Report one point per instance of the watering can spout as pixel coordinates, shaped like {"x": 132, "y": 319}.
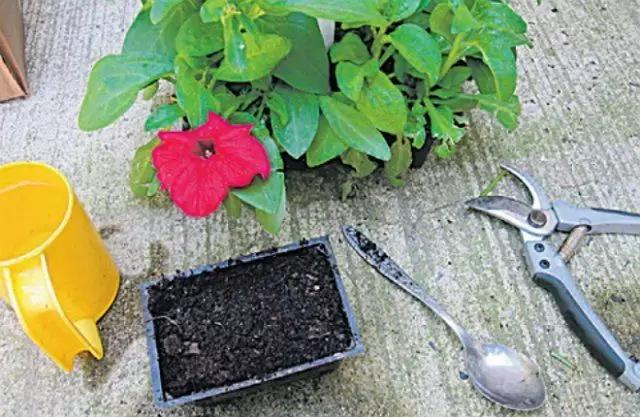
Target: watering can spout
{"x": 33, "y": 299}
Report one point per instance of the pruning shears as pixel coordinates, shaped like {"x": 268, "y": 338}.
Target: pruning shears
{"x": 549, "y": 267}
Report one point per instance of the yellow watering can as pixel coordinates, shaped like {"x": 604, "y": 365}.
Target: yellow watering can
{"x": 55, "y": 271}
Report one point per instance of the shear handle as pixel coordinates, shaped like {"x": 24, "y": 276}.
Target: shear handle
{"x": 551, "y": 273}
{"x": 600, "y": 221}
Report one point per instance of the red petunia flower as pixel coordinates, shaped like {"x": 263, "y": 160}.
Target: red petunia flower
{"x": 198, "y": 167}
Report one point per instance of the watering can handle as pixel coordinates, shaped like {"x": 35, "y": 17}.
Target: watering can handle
{"x": 31, "y": 294}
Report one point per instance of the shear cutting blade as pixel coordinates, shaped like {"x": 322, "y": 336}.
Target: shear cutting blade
{"x": 506, "y": 209}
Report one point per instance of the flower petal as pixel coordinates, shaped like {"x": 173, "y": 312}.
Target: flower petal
{"x": 186, "y": 138}
{"x": 202, "y": 196}
{"x": 197, "y": 184}
{"x": 245, "y": 152}
{"x": 216, "y": 125}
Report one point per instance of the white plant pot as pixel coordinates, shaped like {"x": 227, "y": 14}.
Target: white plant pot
{"x": 328, "y": 29}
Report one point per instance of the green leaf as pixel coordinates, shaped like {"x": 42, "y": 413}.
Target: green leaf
{"x": 346, "y": 11}
{"x": 456, "y": 104}
{"x": 354, "y": 129}
{"x": 396, "y": 10}
{"x": 350, "y": 79}
{"x": 143, "y": 172}
{"x": 199, "y": 63}
{"x": 275, "y": 159}
{"x": 161, "y": 8}
{"x": 400, "y": 68}
{"x": 443, "y": 127}
{"x": 114, "y": 84}
{"x": 261, "y": 132}
{"x": 149, "y": 91}
{"x": 248, "y": 24}
{"x": 262, "y": 55}
{"x": 272, "y": 223}
{"x": 463, "y": 20}
{"x": 420, "y": 19}
{"x": 516, "y": 39}
{"x": 444, "y": 93}
{"x": 347, "y": 190}
{"x": 360, "y": 162}
{"x": 350, "y": 48}
{"x": 154, "y": 187}
{"x": 399, "y": 163}
{"x": 383, "y": 104}
{"x": 455, "y": 77}
{"x": 306, "y": 67}
{"x": 419, "y": 48}
{"x": 212, "y": 10}
{"x": 227, "y": 101}
{"x": 233, "y": 205}
{"x": 446, "y": 149}
{"x": 265, "y": 195}
{"x": 424, "y": 4}
{"x": 247, "y": 98}
{"x": 499, "y": 16}
{"x": 342, "y": 98}
{"x": 234, "y": 46}
{"x": 481, "y": 75}
{"x": 461, "y": 120}
{"x": 457, "y": 3}
{"x": 145, "y": 38}
{"x": 303, "y": 110}
{"x": 164, "y": 116}
{"x": 415, "y": 130}
{"x": 278, "y": 107}
{"x": 193, "y": 97}
{"x": 262, "y": 84}
{"x": 507, "y": 112}
{"x": 442, "y": 20}
{"x": 325, "y": 146}
{"x": 243, "y": 118}
{"x": 442, "y": 123}
{"x": 371, "y": 67}
{"x": 197, "y": 38}
{"x": 498, "y": 56}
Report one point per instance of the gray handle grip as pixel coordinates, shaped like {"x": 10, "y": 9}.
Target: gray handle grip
{"x": 551, "y": 273}
{"x": 599, "y": 220}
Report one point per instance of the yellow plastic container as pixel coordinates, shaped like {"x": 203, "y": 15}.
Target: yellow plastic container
{"x": 55, "y": 271}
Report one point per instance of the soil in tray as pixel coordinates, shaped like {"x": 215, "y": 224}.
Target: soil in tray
{"x": 247, "y": 321}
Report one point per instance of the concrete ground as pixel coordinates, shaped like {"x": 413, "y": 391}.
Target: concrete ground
{"x": 580, "y": 131}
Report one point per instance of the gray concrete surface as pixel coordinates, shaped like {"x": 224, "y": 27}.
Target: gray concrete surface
{"x": 580, "y": 131}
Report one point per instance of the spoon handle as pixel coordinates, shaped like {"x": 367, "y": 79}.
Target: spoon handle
{"x": 387, "y": 267}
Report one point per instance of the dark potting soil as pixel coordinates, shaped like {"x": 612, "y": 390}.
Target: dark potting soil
{"x": 247, "y": 321}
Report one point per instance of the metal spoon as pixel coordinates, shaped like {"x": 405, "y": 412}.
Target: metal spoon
{"x": 500, "y": 373}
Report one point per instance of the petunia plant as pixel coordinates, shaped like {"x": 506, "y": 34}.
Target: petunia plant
{"x": 254, "y": 81}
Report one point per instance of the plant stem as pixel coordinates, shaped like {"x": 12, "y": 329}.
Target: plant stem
{"x": 453, "y": 56}
{"x": 212, "y": 82}
{"x": 378, "y": 41}
{"x": 263, "y": 103}
{"x": 387, "y": 54}
{"x": 494, "y": 183}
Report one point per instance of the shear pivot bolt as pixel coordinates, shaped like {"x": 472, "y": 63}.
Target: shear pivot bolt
{"x": 544, "y": 264}
{"x": 537, "y": 218}
{"x": 539, "y": 247}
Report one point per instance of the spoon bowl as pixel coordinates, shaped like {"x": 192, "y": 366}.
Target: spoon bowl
{"x": 505, "y": 376}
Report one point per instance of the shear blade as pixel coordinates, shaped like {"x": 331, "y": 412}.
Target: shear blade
{"x": 506, "y": 209}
